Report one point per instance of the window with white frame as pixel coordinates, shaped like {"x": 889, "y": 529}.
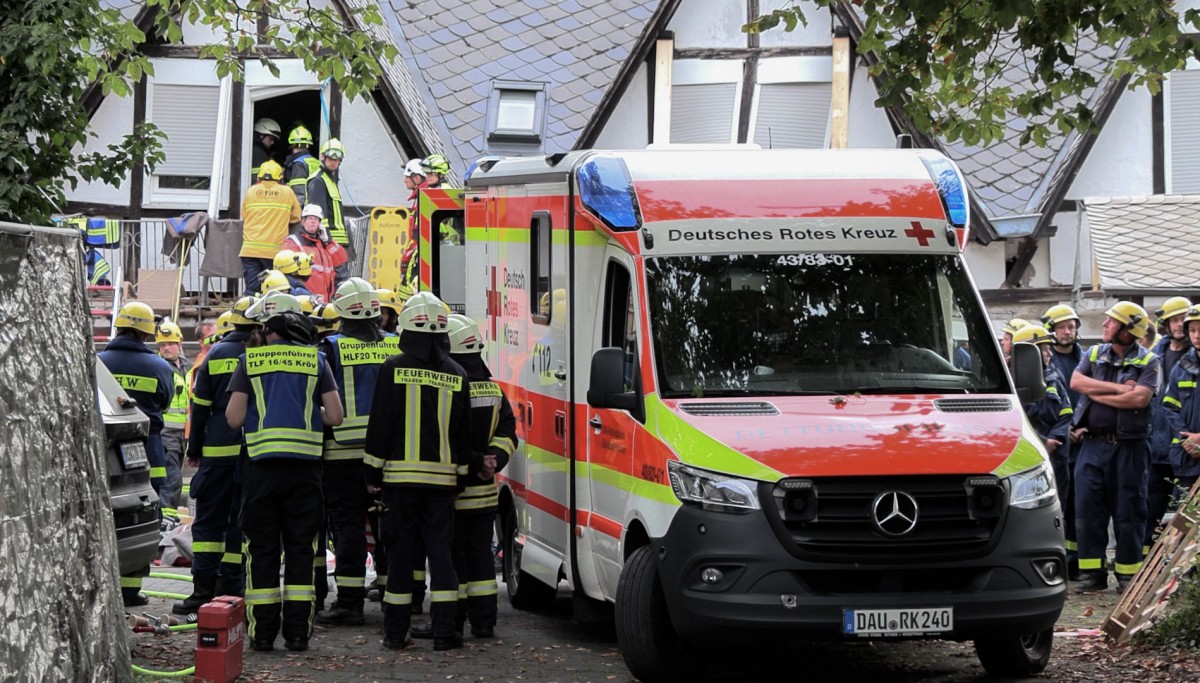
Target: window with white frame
{"x": 792, "y": 103}
{"x": 187, "y": 116}
{"x": 516, "y": 113}
{"x": 1181, "y": 99}
{"x": 705, "y": 97}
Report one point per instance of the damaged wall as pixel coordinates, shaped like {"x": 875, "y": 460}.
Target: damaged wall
{"x": 60, "y": 603}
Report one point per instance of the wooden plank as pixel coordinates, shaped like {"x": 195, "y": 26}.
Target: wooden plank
{"x": 662, "y": 91}
{"x": 839, "y": 111}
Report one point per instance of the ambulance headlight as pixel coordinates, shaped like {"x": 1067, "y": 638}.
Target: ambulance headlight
{"x": 1033, "y": 488}
{"x": 711, "y": 491}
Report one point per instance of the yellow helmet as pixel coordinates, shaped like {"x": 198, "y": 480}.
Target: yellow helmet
{"x": 1033, "y": 335}
{"x": 304, "y": 261}
{"x": 1015, "y": 324}
{"x": 275, "y": 281}
{"x": 390, "y": 299}
{"x": 137, "y": 315}
{"x": 1058, "y": 313}
{"x": 168, "y": 332}
{"x": 424, "y": 312}
{"x": 1134, "y": 317}
{"x": 464, "y": 334}
{"x": 239, "y": 314}
{"x": 326, "y": 319}
{"x": 224, "y": 324}
{"x": 1172, "y": 307}
{"x": 309, "y": 303}
{"x": 285, "y": 261}
{"x": 270, "y": 170}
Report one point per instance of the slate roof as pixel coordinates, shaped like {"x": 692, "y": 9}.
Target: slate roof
{"x": 456, "y": 48}
{"x": 1125, "y": 229}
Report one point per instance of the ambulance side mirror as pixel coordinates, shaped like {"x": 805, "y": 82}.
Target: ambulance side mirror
{"x": 607, "y": 383}
{"x": 1027, "y": 372}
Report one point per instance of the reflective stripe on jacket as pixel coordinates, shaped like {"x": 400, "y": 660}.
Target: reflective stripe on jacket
{"x": 283, "y": 417}
{"x": 267, "y": 210}
{"x": 212, "y": 437}
{"x": 355, "y": 366}
{"x": 493, "y": 432}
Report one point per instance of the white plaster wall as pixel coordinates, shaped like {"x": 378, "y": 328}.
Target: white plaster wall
{"x": 986, "y": 264}
{"x": 627, "y": 127}
{"x": 869, "y": 125}
{"x": 1121, "y": 163}
{"x": 112, "y": 121}
{"x": 709, "y": 23}
{"x": 1063, "y": 252}
{"x": 819, "y": 30}
{"x": 373, "y": 171}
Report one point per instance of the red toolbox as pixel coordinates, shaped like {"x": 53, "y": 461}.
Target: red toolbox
{"x": 221, "y": 630}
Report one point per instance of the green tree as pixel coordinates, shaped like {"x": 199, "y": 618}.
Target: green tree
{"x": 51, "y": 51}
{"x": 939, "y": 60}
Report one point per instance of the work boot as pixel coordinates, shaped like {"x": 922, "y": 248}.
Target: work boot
{"x": 421, "y": 631}
{"x": 1092, "y": 582}
{"x": 483, "y": 631}
{"x": 342, "y": 614}
{"x": 297, "y": 644}
{"x": 132, "y": 597}
{"x": 226, "y": 586}
{"x": 1123, "y": 581}
{"x": 204, "y": 589}
{"x": 453, "y": 643}
{"x": 1073, "y": 568}
{"x": 396, "y": 644}
{"x": 262, "y": 645}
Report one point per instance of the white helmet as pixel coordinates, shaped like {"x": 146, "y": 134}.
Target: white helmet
{"x": 268, "y": 127}
{"x": 272, "y": 304}
{"x": 312, "y": 210}
{"x": 413, "y": 167}
{"x": 424, "y": 312}
{"x": 464, "y": 334}
{"x": 356, "y": 299}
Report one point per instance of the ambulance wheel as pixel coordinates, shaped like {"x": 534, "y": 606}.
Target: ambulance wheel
{"x": 1015, "y": 656}
{"x": 651, "y": 647}
{"x": 525, "y": 591}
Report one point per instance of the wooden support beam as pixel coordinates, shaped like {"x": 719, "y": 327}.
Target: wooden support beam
{"x": 663, "y": 60}
{"x": 839, "y": 110}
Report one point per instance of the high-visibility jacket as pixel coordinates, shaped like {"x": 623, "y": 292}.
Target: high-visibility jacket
{"x": 211, "y": 435}
{"x": 323, "y": 191}
{"x": 299, "y": 168}
{"x": 1181, "y": 406}
{"x": 493, "y": 432}
{"x": 175, "y": 416}
{"x": 147, "y": 378}
{"x": 329, "y": 267}
{"x": 267, "y": 210}
{"x": 420, "y": 424}
{"x": 355, "y": 365}
{"x": 283, "y": 418}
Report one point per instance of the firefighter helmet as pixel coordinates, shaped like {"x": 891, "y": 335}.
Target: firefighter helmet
{"x": 333, "y": 149}
{"x": 424, "y": 312}
{"x": 138, "y": 316}
{"x": 1133, "y": 317}
{"x": 300, "y": 137}
{"x": 325, "y": 317}
{"x": 1193, "y": 315}
{"x": 270, "y": 170}
{"x": 1033, "y": 334}
{"x": 308, "y": 303}
{"x": 1172, "y": 307}
{"x": 224, "y": 324}
{"x": 312, "y": 210}
{"x": 266, "y": 126}
{"x": 1057, "y": 314}
{"x": 436, "y": 163}
{"x": 168, "y": 332}
{"x": 275, "y": 281}
{"x": 413, "y": 167}
{"x": 304, "y": 261}
{"x": 285, "y": 261}
{"x": 391, "y": 299}
{"x": 240, "y": 313}
{"x": 273, "y": 304}
{"x": 464, "y": 334}
{"x": 356, "y": 299}
{"x": 1015, "y": 324}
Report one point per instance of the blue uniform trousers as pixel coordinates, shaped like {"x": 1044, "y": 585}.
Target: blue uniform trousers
{"x": 1110, "y": 482}
{"x": 346, "y": 501}
{"x": 216, "y": 534}
{"x": 476, "y": 568}
{"x": 1068, "y": 501}
{"x": 414, "y": 513}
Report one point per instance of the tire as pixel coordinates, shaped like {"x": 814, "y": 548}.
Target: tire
{"x": 1015, "y": 656}
{"x": 649, "y": 644}
{"x": 525, "y": 591}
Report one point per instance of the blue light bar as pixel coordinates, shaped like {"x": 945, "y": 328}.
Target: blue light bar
{"x": 607, "y": 191}
{"x": 951, "y": 188}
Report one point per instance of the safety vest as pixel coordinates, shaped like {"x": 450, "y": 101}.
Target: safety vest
{"x": 219, "y": 440}
{"x": 355, "y": 365}
{"x": 334, "y": 224}
{"x": 284, "y": 415}
{"x": 175, "y": 416}
{"x": 487, "y": 400}
{"x": 299, "y": 183}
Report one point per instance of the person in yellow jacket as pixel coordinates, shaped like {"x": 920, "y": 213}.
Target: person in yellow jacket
{"x": 268, "y": 209}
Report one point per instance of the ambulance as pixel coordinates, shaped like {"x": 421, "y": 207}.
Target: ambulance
{"x": 757, "y": 396}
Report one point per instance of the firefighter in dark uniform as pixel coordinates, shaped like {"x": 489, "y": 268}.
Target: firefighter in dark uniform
{"x": 1051, "y": 416}
{"x": 1117, "y": 380}
{"x": 323, "y": 191}
{"x": 493, "y": 433}
{"x": 282, "y": 392}
{"x": 149, "y": 381}
{"x": 418, "y": 433}
{"x": 355, "y": 355}
{"x": 390, "y": 304}
{"x": 1160, "y": 475}
{"x": 1181, "y": 404}
{"x": 217, "y": 450}
{"x": 1065, "y": 353}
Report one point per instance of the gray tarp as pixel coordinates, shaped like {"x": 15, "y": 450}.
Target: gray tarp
{"x": 61, "y": 617}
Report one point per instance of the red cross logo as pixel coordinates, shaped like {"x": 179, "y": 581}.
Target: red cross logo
{"x": 919, "y": 233}
{"x": 493, "y": 303}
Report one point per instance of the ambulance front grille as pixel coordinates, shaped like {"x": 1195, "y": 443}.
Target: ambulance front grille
{"x": 973, "y": 405}
{"x": 956, "y": 518}
{"x": 728, "y": 409}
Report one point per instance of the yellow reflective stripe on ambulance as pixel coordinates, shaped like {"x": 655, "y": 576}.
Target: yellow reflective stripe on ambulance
{"x": 293, "y": 359}
{"x": 701, "y": 449}
{"x": 428, "y": 378}
{"x": 137, "y": 383}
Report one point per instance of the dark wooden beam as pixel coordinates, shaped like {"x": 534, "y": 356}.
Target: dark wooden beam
{"x": 236, "y": 122}
{"x": 1158, "y": 142}
{"x": 335, "y": 110}
{"x": 746, "y": 52}
{"x": 193, "y": 52}
{"x": 749, "y": 76}
{"x": 137, "y": 184}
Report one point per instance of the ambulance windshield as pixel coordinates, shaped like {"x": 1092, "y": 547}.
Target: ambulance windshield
{"x": 773, "y": 324}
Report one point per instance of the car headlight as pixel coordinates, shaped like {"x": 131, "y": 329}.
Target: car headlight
{"x": 712, "y": 491}
{"x": 1033, "y": 488}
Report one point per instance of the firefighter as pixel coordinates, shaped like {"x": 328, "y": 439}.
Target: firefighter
{"x": 418, "y": 433}
{"x": 276, "y": 281}
{"x": 391, "y": 303}
{"x": 323, "y": 191}
{"x": 1116, "y": 380}
{"x": 1065, "y": 353}
{"x": 170, "y": 342}
{"x": 327, "y": 259}
{"x": 436, "y": 168}
{"x": 1010, "y": 328}
{"x": 297, "y": 266}
{"x": 267, "y": 211}
{"x": 216, "y": 450}
{"x": 1160, "y": 475}
{"x": 282, "y": 393}
{"x": 149, "y": 381}
{"x": 494, "y": 434}
{"x": 1181, "y": 405}
{"x": 267, "y": 135}
{"x": 355, "y": 355}
{"x": 1051, "y": 416}
{"x": 300, "y": 164}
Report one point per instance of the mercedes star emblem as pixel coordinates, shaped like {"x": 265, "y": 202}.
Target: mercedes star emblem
{"x": 895, "y": 513}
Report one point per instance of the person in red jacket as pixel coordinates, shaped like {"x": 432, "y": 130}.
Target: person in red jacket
{"x": 329, "y": 259}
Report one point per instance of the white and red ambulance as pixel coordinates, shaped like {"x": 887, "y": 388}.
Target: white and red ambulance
{"x": 757, "y": 393}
